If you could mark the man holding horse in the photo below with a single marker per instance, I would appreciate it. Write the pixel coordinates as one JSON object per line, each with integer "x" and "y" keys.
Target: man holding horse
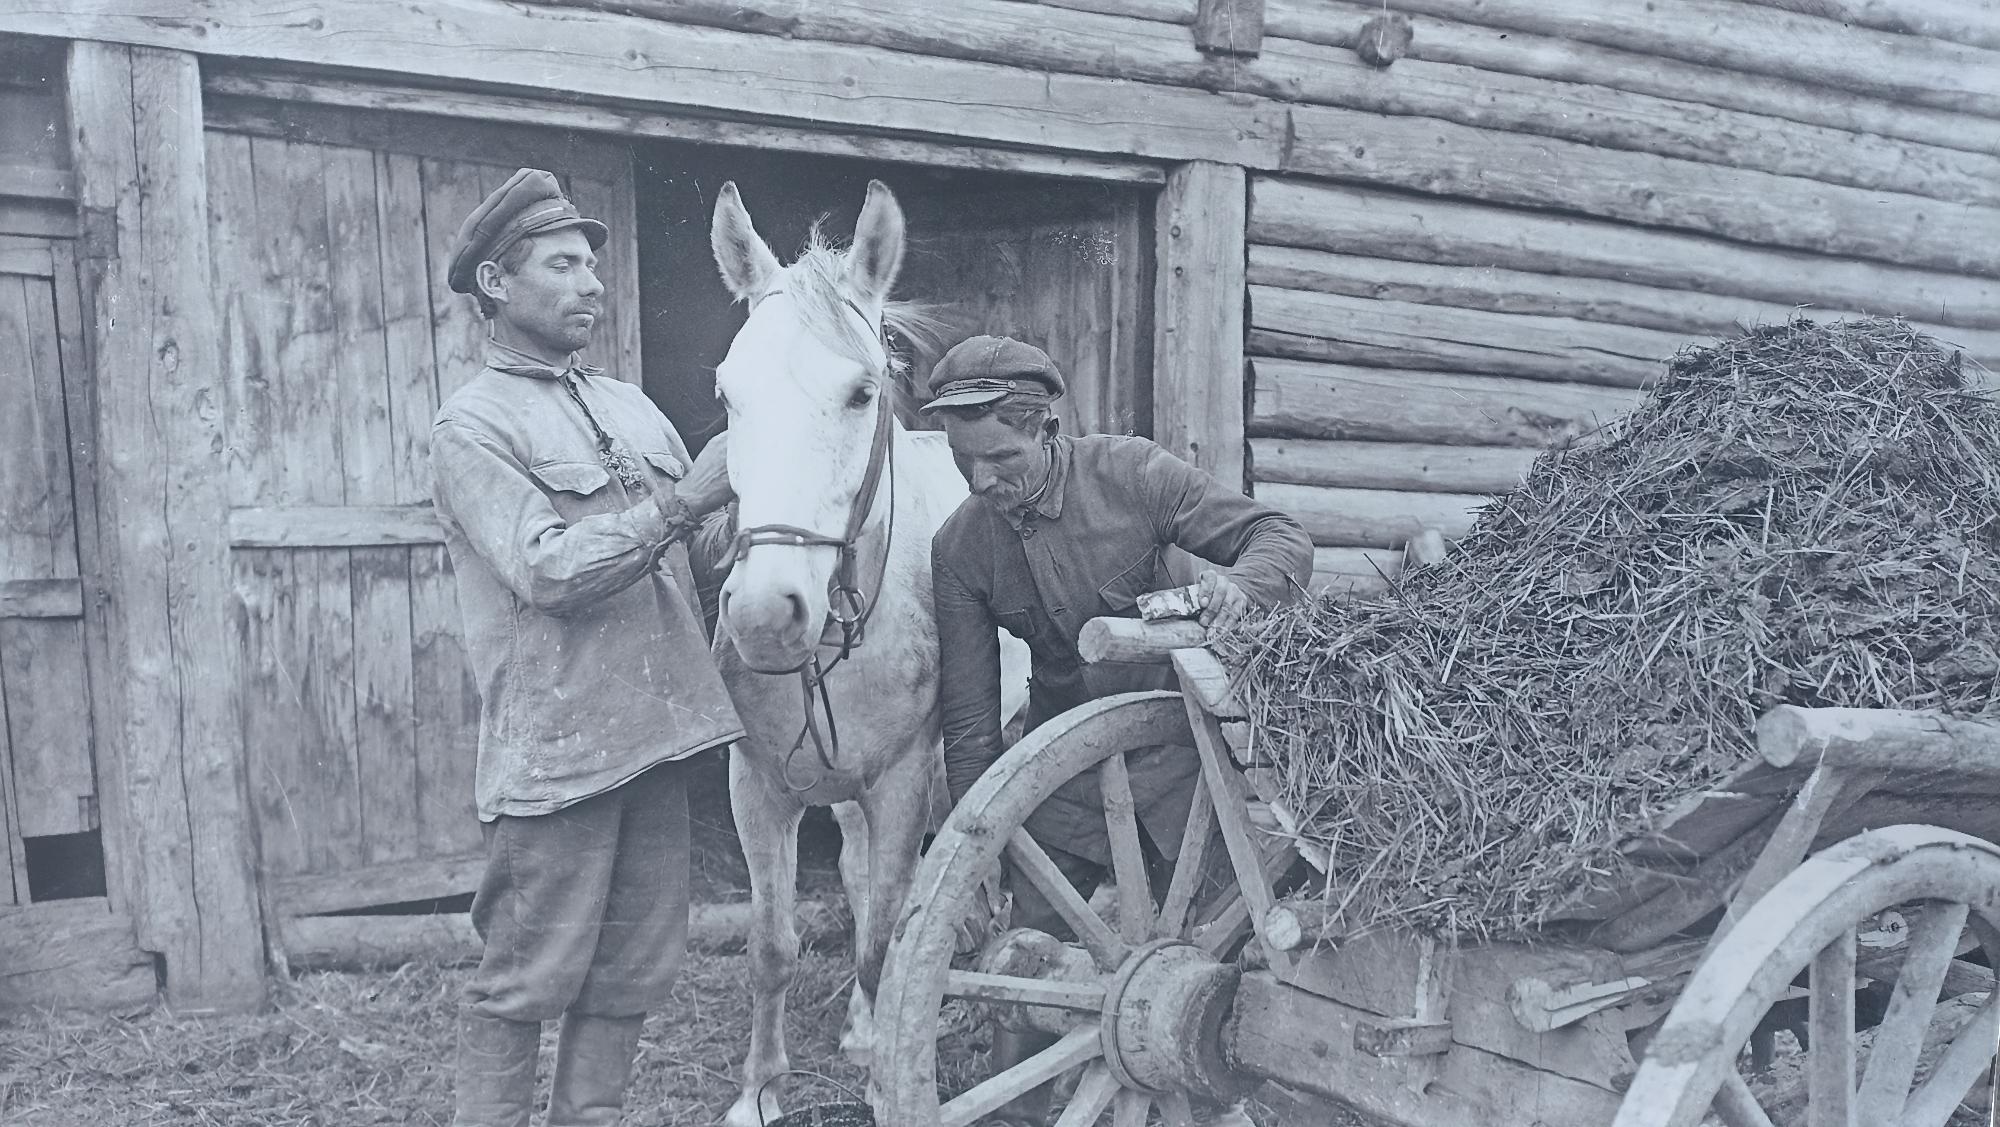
{"x": 564, "y": 496}
{"x": 1060, "y": 530}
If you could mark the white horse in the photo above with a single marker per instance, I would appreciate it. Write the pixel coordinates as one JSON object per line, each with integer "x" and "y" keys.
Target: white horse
{"x": 807, "y": 384}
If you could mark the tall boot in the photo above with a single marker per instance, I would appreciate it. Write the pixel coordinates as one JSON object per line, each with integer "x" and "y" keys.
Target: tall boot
{"x": 496, "y": 1070}
{"x": 593, "y": 1064}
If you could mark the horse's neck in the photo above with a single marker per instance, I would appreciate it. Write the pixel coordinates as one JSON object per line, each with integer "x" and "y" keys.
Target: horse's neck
{"x": 920, "y": 490}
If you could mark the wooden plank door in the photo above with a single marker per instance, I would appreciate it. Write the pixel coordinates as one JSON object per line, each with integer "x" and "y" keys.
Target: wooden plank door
{"x": 48, "y": 783}
{"x": 330, "y": 235}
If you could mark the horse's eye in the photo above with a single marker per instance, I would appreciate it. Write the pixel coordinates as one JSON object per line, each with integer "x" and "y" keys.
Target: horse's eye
{"x": 862, "y": 397}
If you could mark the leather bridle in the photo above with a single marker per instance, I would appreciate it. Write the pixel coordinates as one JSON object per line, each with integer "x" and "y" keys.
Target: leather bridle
{"x": 849, "y": 603}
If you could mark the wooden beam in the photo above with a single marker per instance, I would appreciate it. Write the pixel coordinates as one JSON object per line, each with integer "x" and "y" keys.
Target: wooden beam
{"x": 1198, "y": 366}
{"x": 72, "y": 954}
{"x": 629, "y": 122}
{"x": 1165, "y": 11}
{"x": 1880, "y": 739}
{"x": 1372, "y": 518}
{"x": 1497, "y": 290}
{"x": 1360, "y": 570}
{"x": 1975, "y": 22}
{"x": 1396, "y": 225}
{"x": 1417, "y": 466}
{"x": 1397, "y": 334}
{"x": 1301, "y": 399}
{"x": 1559, "y": 61}
{"x": 370, "y": 886}
{"x": 1448, "y": 159}
{"x": 1749, "y": 39}
{"x": 333, "y": 526}
{"x": 1229, "y": 27}
{"x": 41, "y": 598}
{"x": 593, "y": 55}
{"x": 33, "y": 257}
{"x": 136, "y": 133}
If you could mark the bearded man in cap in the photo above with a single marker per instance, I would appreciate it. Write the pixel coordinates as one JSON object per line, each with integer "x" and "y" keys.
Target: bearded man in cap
{"x": 565, "y": 496}
{"x": 1060, "y": 530}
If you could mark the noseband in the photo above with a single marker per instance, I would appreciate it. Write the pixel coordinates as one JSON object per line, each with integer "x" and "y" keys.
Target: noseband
{"x": 849, "y": 604}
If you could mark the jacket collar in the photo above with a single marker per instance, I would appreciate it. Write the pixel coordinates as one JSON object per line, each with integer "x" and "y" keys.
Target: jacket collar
{"x": 1048, "y": 504}
{"x": 512, "y": 361}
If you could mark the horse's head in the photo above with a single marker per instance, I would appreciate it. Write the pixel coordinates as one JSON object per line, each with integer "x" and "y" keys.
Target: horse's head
{"x": 801, "y": 384}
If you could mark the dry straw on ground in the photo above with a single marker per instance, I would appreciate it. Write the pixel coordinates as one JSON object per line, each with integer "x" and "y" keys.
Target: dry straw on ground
{"x": 1805, "y": 514}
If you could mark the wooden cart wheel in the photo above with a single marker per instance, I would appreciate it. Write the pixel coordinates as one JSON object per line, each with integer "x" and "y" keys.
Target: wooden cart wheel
{"x": 1947, "y": 884}
{"x": 1131, "y": 1062}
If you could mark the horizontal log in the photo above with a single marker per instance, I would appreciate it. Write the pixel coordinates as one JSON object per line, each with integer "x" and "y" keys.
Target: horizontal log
{"x": 1880, "y": 738}
{"x": 54, "y": 219}
{"x": 41, "y": 598}
{"x": 333, "y": 526}
{"x": 1457, "y": 38}
{"x": 1129, "y": 639}
{"x": 73, "y": 954}
{"x": 665, "y": 124}
{"x": 1976, "y": 22}
{"x": 1360, "y": 570}
{"x": 1448, "y": 159}
{"x": 1389, "y": 465}
{"x": 1497, "y": 290}
{"x": 1166, "y": 11}
{"x": 588, "y": 54}
{"x": 1758, "y": 40}
{"x": 366, "y": 942}
{"x": 1372, "y": 518}
{"x": 1678, "y": 125}
{"x": 1395, "y": 225}
{"x": 394, "y": 882}
{"x": 1301, "y": 399}
{"x": 1401, "y": 334}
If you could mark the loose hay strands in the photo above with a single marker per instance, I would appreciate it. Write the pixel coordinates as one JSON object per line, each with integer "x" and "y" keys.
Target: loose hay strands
{"x": 1805, "y": 514}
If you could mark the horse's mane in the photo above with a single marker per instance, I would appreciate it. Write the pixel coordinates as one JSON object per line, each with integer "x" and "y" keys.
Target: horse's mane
{"x": 816, "y": 285}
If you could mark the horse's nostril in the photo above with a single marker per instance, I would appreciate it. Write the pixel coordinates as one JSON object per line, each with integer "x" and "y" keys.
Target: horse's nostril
{"x": 797, "y": 604}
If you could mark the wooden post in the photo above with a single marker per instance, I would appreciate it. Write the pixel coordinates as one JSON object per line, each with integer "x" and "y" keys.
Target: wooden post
{"x": 1198, "y": 362}
{"x": 1230, "y": 27}
{"x": 162, "y": 581}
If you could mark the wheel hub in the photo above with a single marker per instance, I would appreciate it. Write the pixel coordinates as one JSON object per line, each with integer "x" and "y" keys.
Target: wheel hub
{"x": 1163, "y": 1019}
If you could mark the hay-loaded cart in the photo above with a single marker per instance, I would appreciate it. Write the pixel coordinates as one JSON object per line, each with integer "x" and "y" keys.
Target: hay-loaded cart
{"x": 1808, "y": 943}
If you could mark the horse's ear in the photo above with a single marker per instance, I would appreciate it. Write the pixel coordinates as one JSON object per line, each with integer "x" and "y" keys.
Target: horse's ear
{"x": 747, "y": 264}
{"x": 878, "y": 245}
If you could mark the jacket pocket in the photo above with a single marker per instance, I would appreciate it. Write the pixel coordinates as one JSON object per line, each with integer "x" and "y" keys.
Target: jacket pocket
{"x": 667, "y": 462}
{"x": 1140, "y": 576}
{"x": 580, "y": 478}
{"x": 1024, "y": 623}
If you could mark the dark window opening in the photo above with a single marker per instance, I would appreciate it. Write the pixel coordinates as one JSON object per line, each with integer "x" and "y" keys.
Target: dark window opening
{"x": 65, "y": 866}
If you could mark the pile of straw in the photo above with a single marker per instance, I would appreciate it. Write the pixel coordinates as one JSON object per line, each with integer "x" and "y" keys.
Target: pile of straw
{"x": 1806, "y": 514}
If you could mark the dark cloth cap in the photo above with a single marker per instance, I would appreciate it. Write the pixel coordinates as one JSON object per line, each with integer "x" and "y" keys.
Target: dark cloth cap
{"x": 983, "y": 369}
{"x": 529, "y": 203}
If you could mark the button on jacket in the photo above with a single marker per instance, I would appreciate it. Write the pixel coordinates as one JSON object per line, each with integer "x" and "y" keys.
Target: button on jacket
{"x": 590, "y": 663}
{"x": 1094, "y": 541}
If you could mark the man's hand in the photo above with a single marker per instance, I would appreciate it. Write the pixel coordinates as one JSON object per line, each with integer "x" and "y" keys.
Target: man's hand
{"x": 1223, "y": 601}
{"x": 706, "y": 486}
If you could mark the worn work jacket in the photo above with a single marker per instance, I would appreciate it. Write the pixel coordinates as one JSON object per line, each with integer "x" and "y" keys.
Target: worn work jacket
{"x": 591, "y": 665}
{"x": 1094, "y": 542}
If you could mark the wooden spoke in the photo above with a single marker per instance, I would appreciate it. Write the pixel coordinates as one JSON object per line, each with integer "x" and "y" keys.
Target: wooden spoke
{"x": 1128, "y": 860}
{"x": 1083, "y": 997}
{"x": 1899, "y": 1039}
{"x": 1077, "y": 1047}
{"x": 1214, "y": 935}
{"x": 1035, "y": 864}
{"x": 1189, "y": 866}
{"x": 1131, "y": 1108}
{"x": 1231, "y": 801}
{"x": 1736, "y": 1106}
{"x": 1176, "y": 1111}
{"x": 1969, "y": 1054}
{"x": 1094, "y": 1093}
{"x": 1830, "y": 1063}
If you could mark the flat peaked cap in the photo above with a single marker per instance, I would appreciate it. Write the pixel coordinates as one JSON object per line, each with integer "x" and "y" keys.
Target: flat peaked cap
{"x": 982, "y": 369}
{"x": 529, "y": 203}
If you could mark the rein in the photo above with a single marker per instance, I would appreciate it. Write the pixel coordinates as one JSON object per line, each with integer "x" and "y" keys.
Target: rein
{"x": 849, "y": 605}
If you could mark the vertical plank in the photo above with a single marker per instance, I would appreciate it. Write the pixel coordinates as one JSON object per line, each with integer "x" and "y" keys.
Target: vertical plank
{"x": 244, "y": 290}
{"x": 384, "y": 725}
{"x": 406, "y": 323}
{"x": 447, "y": 734}
{"x": 615, "y": 345}
{"x": 29, "y": 526}
{"x": 48, "y": 725}
{"x": 1198, "y": 318}
{"x": 1229, "y": 27}
{"x": 115, "y": 821}
{"x": 135, "y": 134}
{"x": 14, "y": 871}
